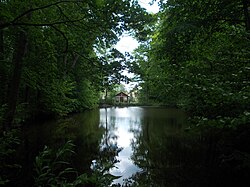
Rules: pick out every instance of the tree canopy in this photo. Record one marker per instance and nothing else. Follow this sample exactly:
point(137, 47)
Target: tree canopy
point(57, 56)
point(50, 52)
point(198, 59)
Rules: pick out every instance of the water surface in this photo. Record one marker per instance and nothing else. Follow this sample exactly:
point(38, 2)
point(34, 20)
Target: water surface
point(127, 123)
point(149, 146)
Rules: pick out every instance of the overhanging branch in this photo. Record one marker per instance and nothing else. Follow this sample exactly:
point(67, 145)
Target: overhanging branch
point(46, 24)
point(43, 7)
point(14, 21)
point(65, 38)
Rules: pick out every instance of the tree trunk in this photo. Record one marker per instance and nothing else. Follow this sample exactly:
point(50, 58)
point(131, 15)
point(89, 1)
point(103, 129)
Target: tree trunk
point(246, 6)
point(76, 57)
point(13, 89)
point(1, 46)
point(3, 77)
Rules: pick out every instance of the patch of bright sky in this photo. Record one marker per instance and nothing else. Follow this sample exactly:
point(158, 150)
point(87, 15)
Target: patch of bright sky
point(150, 8)
point(127, 43)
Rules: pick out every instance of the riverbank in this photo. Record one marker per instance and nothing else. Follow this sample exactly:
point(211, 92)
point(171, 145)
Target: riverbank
point(137, 104)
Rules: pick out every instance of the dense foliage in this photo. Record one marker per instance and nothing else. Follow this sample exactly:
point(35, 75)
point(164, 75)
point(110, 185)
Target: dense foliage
point(199, 59)
point(56, 57)
point(51, 53)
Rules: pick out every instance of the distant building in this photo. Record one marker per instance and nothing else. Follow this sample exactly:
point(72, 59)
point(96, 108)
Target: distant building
point(121, 98)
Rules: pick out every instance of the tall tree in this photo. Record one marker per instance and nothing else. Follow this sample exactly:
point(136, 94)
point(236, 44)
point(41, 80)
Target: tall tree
point(50, 51)
point(199, 55)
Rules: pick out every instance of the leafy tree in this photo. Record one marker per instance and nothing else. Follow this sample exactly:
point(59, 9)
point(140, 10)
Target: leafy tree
point(198, 58)
point(49, 52)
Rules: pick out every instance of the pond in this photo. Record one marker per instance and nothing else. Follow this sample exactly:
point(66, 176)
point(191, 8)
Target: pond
point(148, 146)
point(130, 125)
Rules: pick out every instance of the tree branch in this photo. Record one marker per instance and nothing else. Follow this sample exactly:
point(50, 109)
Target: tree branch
point(81, 55)
point(45, 24)
point(43, 7)
point(62, 13)
point(65, 38)
point(13, 22)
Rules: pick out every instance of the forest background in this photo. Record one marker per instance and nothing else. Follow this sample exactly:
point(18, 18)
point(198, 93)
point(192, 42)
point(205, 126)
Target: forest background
point(57, 56)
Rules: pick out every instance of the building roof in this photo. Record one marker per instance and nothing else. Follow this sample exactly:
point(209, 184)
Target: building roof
point(122, 94)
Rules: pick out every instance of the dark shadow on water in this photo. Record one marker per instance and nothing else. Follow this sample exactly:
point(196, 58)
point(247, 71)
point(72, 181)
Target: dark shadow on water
point(83, 129)
point(157, 144)
point(208, 157)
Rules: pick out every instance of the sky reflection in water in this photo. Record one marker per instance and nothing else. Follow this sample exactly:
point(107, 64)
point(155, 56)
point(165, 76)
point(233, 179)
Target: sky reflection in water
point(119, 122)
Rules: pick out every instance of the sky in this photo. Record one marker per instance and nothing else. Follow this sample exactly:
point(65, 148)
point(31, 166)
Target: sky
point(145, 4)
point(128, 44)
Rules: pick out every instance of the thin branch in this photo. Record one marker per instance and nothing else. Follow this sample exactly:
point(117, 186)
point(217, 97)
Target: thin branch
point(65, 38)
point(84, 57)
point(40, 8)
point(62, 13)
point(46, 24)
point(12, 23)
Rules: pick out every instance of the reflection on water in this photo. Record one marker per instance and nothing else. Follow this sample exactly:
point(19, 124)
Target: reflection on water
point(149, 146)
point(103, 137)
point(119, 121)
point(83, 129)
point(126, 123)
